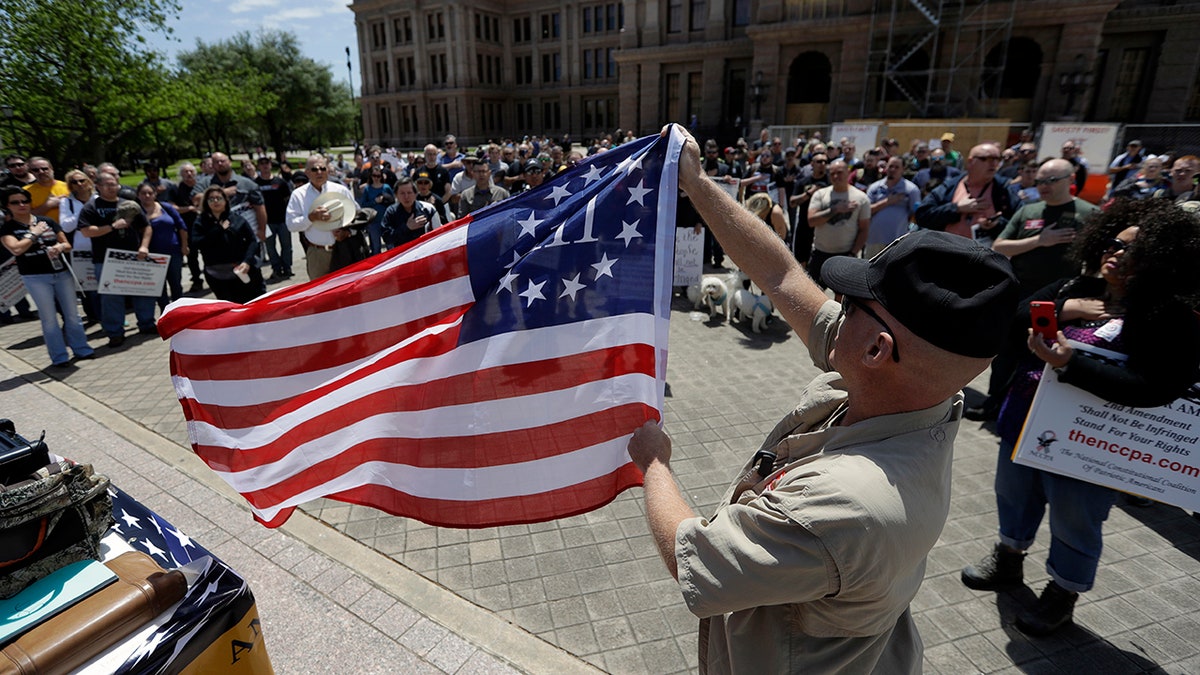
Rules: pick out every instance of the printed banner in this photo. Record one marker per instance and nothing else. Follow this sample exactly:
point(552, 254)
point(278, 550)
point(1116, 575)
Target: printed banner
point(85, 270)
point(1150, 452)
point(689, 256)
point(124, 274)
point(12, 289)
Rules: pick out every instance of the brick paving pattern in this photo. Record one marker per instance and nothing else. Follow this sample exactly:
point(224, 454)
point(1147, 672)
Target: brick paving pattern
point(593, 584)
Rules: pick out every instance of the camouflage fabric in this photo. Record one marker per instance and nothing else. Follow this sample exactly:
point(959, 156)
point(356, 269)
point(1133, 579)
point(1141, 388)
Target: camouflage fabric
point(51, 520)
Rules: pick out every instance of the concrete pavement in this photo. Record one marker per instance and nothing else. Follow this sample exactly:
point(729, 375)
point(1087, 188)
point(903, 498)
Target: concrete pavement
point(347, 589)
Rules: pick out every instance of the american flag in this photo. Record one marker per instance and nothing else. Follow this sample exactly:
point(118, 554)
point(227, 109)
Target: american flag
point(489, 373)
point(217, 601)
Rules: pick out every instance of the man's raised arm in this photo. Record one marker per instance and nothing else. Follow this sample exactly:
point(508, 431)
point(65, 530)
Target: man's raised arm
point(755, 249)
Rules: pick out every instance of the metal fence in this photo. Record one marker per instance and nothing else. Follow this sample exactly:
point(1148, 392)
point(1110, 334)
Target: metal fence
point(1173, 139)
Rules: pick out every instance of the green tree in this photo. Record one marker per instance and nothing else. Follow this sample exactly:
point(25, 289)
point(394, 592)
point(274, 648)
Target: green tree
point(299, 101)
point(81, 83)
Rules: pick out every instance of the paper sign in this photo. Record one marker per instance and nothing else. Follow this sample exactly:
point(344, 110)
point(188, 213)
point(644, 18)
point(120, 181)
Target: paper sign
point(1152, 452)
point(1094, 141)
point(12, 289)
point(863, 136)
point(689, 256)
point(124, 274)
point(730, 189)
point(85, 270)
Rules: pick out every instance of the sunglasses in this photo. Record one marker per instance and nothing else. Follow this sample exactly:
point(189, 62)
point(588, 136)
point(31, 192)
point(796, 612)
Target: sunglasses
point(19, 202)
point(215, 199)
point(1114, 246)
point(318, 168)
point(987, 158)
point(856, 304)
point(40, 169)
point(16, 164)
point(77, 181)
point(1050, 181)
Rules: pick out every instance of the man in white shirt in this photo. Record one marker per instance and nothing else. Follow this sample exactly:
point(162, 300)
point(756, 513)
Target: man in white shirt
point(840, 215)
point(301, 215)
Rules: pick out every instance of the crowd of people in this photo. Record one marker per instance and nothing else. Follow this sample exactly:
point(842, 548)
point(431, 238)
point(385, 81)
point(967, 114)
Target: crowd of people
point(935, 253)
point(224, 225)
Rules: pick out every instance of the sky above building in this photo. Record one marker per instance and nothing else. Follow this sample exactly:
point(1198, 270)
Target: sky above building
point(324, 28)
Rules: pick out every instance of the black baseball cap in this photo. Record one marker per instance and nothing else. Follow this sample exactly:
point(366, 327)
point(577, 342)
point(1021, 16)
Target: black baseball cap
point(946, 289)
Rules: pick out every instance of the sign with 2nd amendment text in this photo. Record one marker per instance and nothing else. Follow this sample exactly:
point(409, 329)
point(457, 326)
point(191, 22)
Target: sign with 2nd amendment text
point(124, 274)
point(1152, 452)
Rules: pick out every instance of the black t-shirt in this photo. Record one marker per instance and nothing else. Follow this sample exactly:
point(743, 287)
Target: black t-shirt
point(275, 193)
point(1040, 266)
point(101, 212)
point(802, 184)
point(772, 174)
point(181, 195)
point(36, 260)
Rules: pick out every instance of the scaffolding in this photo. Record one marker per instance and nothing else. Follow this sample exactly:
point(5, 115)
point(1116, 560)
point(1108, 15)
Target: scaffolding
point(933, 54)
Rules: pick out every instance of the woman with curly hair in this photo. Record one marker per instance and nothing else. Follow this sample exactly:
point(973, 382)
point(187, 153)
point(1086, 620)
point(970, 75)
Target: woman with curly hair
point(1136, 295)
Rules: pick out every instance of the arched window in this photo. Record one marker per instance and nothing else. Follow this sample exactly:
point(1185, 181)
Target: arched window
point(1017, 66)
point(810, 79)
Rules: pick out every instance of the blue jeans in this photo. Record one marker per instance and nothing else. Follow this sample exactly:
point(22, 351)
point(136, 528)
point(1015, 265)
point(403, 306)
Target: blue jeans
point(112, 311)
point(375, 234)
point(173, 289)
point(1077, 514)
point(281, 260)
point(45, 290)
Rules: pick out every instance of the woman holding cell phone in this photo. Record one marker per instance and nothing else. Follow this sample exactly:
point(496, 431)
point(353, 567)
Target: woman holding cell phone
point(40, 247)
point(1136, 296)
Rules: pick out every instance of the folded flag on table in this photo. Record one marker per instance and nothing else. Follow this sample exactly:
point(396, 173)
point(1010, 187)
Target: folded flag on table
point(489, 373)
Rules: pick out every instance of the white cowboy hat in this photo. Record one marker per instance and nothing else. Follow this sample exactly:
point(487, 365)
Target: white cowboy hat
point(341, 211)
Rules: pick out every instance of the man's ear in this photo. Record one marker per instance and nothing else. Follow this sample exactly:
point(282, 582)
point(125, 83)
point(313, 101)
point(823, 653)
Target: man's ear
point(880, 351)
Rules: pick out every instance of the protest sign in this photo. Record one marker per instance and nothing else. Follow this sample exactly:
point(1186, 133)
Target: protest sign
point(12, 289)
point(689, 254)
point(863, 136)
point(85, 270)
point(1094, 142)
point(1152, 452)
point(124, 274)
point(730, 188)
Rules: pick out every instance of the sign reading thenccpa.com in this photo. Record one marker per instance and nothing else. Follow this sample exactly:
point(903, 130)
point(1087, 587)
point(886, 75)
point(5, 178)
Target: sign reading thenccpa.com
point(1152, 452)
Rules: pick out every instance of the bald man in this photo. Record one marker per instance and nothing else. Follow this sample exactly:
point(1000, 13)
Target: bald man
point(1036, 240)
point(1039, 234)
point(818, 547)
point(975, 204)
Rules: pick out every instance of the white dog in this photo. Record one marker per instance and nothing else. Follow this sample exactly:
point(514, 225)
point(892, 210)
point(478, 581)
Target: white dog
point(750, 307)
point(712, 293)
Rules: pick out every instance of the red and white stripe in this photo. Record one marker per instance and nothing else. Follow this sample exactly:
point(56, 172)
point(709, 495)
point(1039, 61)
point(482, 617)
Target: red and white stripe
point(354, 388)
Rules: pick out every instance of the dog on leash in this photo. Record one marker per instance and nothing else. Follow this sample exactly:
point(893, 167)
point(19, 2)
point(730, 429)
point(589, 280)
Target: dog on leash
point(711, 293)
point(746, 306)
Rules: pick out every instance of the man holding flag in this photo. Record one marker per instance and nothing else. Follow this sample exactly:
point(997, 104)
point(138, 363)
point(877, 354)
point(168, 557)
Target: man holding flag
point(820, 544)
